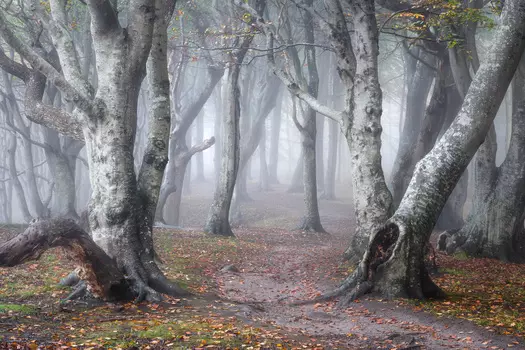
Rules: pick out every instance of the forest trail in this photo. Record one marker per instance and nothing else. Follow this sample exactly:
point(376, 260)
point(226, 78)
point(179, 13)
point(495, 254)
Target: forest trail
point(247, 306)
point(298, 263)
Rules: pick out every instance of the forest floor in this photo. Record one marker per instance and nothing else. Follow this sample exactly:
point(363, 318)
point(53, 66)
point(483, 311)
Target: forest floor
point(246, 306)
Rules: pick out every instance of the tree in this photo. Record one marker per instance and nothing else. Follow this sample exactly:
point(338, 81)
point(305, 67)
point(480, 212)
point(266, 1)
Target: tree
point(218, 218)
point(180, 152)
point(393, 263)
point(122, 205)
point(495, 225)
point(360, 120)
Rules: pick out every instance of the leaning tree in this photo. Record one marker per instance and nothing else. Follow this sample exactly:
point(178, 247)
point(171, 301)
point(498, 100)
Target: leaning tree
point(393, 263)
point(123, 203)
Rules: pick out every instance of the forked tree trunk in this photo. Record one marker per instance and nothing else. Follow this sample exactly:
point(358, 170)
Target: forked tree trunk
point(495, 225)
point(393, 264)
point(218, 222)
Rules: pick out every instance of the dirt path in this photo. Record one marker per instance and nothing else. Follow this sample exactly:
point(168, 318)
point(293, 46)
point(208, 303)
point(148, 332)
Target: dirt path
point(297, 265)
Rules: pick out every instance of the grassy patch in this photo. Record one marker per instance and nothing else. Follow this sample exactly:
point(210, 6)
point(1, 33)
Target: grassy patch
point(488, 292)
point(191, 258)
point(17, 308)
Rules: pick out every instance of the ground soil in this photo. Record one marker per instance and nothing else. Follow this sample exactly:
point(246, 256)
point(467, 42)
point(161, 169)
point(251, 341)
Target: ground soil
point(296, 266)
point(282, 266)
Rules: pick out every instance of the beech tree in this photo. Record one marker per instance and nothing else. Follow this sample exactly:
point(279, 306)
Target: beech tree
point(360, 120)
point(180, 152)
point(494, 227)
point(122, 205)
point(393, 263)
point(218, 221)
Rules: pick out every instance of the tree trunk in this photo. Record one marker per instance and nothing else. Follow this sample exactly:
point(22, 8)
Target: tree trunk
point(186, 185)
point(333, 139)
point(393, 264)
point(264, 181)
point(311, 220)
point(199, 160)
point(372, 199)
point(297, 182)
point(218, 218)
point(495, 224)
point(17, 185)
point(218, 130)
point(319, 152)
point(274, 140)
point(418, 90)
point(102, 276)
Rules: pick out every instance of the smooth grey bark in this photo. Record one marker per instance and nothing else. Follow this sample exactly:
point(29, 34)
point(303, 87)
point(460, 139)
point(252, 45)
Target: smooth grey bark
point(393, 264)
point(217, 127)
point(218, 222)
point(417, 92)
point(273, 162)
point(199, 158)
point(186, 185)
point(333, 139)
point(319, 152)
point(122, 204)
point(218, 218)
point(311, 220)
point(494, 228)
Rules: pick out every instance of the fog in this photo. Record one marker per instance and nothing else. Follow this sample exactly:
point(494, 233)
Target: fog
point(36, 163)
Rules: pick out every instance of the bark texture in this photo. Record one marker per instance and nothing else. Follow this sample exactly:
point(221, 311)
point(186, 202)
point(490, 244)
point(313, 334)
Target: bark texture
point(494, 229)
point(101, 274)
point(218, 221)
point(393, 264)
point(372, 199)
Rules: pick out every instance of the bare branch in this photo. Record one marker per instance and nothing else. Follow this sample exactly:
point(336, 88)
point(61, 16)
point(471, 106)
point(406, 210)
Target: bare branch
point(201, 146)
point(65, 47)
point(38, 63)
point(288, 81)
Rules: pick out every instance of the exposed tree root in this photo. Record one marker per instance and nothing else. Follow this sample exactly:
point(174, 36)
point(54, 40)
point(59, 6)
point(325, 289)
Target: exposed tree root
point(393, 266)
point(309, 225)
point(96, 273)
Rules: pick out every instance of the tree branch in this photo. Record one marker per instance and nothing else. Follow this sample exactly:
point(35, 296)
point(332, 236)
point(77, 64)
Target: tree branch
point(201, 146)
point(66, 48)
point(270, 31)
point(104, 18)
point(140, 31)
point(38, 63)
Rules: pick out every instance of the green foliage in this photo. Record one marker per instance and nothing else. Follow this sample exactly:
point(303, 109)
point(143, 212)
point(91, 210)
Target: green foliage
point(17, 308)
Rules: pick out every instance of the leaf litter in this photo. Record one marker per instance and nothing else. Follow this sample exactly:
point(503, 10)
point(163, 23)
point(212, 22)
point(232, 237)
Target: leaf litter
point(247, 308)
